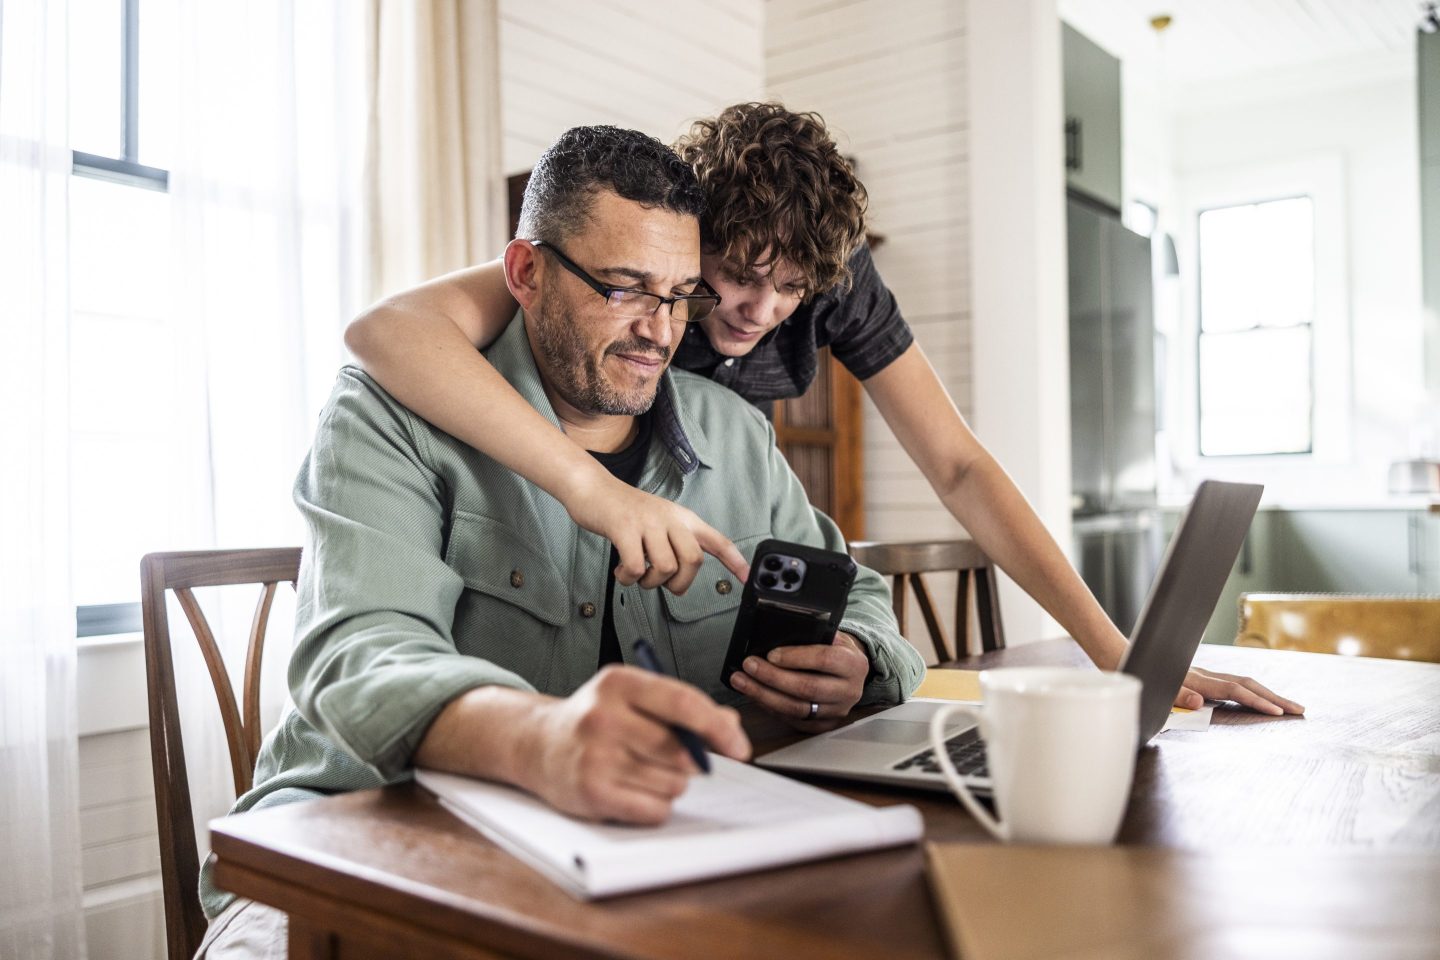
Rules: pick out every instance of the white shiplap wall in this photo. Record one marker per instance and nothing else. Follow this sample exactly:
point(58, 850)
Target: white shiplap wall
point(124, 913)
point(890, 81)
point(120, 852)
point(633, 63)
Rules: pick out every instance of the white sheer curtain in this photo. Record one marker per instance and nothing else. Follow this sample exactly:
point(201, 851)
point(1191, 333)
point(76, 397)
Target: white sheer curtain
point(437, 197)
point(40, 883)
point(269, 266)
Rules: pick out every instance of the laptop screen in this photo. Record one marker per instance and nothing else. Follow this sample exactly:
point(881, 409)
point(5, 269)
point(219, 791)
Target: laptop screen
point(1188, 585)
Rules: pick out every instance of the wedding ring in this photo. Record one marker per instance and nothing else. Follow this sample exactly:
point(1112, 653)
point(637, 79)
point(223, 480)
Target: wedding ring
point(814, 711)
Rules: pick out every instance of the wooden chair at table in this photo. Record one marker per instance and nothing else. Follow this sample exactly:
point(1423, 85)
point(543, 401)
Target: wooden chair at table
point(182, 572)
point(1356, 625)
point(908, 563)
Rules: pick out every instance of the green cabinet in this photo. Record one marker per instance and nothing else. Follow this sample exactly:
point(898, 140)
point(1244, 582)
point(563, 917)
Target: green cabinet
point(1254, 571)
point(1092, 118)
point(1427, 550)
point(1351, 551)
point(1329, 551)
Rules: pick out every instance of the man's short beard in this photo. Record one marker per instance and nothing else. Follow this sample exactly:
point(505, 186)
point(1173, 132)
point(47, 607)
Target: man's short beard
point(575, 374)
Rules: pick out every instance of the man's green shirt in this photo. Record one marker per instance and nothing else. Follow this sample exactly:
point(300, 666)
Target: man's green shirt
point(431, 569)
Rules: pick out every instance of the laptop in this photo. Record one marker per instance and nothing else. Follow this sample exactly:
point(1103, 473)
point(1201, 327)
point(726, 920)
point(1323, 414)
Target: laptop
point(893, 746)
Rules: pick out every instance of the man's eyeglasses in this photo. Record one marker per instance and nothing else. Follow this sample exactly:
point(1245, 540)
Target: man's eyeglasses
point(634, 304)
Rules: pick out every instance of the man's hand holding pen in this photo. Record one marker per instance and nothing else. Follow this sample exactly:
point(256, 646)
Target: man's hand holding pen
point(608, 751)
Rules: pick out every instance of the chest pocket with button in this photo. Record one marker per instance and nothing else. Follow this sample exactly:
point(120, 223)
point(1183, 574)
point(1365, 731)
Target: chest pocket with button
point(700, 620)
point(515, 600)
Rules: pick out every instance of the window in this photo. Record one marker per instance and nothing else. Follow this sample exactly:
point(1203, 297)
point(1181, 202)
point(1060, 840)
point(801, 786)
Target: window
point(1257, 309)
point(121, 358)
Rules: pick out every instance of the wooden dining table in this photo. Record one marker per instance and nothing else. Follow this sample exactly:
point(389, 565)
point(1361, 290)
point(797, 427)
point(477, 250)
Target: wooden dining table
point(388, 872)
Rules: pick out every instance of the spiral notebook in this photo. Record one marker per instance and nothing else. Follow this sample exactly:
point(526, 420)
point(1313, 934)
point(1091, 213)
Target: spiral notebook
point(737, 819)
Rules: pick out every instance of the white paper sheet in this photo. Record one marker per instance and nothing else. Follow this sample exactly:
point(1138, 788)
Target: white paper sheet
point(1189, 719)
point(738, 818)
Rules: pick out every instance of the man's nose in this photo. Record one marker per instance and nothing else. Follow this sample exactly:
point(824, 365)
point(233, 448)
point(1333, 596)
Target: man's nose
point(658, 328)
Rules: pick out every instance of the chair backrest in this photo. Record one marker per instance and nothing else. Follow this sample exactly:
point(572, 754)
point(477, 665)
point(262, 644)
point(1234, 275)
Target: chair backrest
point(1395, 627)
point(909, 562)
point(182, 573)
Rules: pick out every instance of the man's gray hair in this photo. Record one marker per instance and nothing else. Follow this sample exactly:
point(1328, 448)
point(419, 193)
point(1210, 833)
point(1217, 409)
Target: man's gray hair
point(586, 159)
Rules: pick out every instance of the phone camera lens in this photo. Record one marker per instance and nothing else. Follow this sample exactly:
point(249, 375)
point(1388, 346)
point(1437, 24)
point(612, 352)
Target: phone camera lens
point(771, 562)
point(767, 580)
point(791, 576)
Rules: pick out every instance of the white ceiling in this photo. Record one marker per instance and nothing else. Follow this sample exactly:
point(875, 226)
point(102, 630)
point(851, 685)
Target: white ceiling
point(1211, 40)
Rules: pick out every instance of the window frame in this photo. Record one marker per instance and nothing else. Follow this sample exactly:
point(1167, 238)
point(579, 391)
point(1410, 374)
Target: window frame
point(1321, 176)
point(126, 168)
point(112, 619)
point(1199, 330)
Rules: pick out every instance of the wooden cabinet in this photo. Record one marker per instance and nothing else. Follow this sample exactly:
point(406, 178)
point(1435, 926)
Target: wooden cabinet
point(1092, 118)
point(819, 434)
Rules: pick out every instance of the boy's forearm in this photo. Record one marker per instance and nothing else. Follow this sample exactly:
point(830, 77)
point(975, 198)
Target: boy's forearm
point(1012, 535)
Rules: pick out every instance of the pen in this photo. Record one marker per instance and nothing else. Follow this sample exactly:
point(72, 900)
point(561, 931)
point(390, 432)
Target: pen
point(646, 656)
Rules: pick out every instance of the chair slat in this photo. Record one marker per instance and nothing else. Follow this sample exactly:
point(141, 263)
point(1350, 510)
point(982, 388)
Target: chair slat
point(962, 613)
point(220, 680)
point(932, 618)
point(254, 652)
point(897, 601)
point(987, 606)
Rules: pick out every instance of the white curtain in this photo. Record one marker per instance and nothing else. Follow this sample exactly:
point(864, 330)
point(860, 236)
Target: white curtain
point(40, 882)
point(310, 162)
point(437, 197)
point(266, 186)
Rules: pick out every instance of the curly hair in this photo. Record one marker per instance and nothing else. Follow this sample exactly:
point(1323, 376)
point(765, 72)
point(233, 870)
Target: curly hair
point(777, 189)
point(586, 159)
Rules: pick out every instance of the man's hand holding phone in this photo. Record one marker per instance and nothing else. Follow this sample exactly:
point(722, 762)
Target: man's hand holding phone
point(812, 687)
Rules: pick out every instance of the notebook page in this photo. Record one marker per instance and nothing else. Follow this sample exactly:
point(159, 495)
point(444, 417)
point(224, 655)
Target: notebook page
point(740, 817)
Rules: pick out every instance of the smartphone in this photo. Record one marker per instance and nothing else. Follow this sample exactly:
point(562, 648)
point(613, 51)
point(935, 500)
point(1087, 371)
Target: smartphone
point(796, 595)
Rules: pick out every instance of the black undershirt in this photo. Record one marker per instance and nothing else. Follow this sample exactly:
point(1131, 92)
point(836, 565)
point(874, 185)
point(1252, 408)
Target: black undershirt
point(626, 465)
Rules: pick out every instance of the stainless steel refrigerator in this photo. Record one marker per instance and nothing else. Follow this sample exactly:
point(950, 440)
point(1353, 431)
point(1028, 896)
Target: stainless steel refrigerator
point(1112, 410)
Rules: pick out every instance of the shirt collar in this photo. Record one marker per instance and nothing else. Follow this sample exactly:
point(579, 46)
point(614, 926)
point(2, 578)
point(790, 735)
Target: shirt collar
point(681, 436)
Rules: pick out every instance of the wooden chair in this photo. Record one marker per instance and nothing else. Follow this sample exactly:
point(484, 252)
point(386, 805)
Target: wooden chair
point(909, 562)
point(182, 572)
point(1398, 628)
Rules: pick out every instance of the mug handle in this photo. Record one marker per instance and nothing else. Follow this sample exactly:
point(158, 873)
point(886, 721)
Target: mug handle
point(957, 786)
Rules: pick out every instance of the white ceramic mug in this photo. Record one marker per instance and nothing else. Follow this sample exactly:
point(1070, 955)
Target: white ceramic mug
point(1060, 745)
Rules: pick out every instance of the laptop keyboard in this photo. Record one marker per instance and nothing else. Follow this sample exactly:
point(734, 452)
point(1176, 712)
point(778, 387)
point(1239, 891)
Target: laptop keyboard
point(967, 753)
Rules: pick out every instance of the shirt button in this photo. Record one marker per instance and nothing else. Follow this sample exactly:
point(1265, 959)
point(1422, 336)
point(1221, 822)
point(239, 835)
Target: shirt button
point(587, 609)
point(723, 587)
point(730, 362)
point(517, 579)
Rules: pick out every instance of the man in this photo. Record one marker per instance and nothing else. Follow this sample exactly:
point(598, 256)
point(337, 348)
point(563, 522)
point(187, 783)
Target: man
point(452, 615)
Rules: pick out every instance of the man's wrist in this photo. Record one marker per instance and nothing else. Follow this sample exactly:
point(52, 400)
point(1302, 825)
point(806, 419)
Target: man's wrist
point(485, 732)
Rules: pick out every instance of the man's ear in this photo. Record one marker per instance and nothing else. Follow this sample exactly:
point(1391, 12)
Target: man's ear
point(522, 272)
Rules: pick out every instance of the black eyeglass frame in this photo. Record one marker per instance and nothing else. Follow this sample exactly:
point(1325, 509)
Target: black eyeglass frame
point(692, 300)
